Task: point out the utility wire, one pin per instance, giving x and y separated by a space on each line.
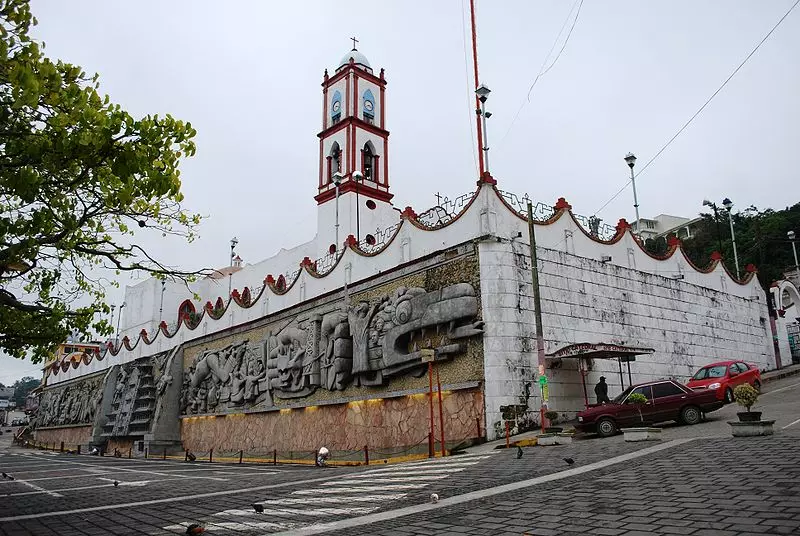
701 108
471 114
542 70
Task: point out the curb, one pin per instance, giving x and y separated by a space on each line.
780 375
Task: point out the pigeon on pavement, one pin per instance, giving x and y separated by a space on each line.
434 498
259 508
194 528
519 452
569 461
116 483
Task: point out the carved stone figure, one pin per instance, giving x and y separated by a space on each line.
75 403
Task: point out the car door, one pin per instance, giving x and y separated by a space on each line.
735 377
629 414
668 399
747 374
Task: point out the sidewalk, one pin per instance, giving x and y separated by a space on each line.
784 372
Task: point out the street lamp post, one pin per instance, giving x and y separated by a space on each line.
707 203
792 236
161 307
357 176
630 159
728 204
483 93
337 180
234 242
119 318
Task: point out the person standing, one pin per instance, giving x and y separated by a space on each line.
601 391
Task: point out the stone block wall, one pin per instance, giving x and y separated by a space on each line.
386 426
584 300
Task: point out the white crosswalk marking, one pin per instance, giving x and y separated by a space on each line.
354 494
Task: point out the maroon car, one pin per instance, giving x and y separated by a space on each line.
667 400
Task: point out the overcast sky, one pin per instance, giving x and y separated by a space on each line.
247 76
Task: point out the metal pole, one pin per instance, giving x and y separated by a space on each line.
796 264
635 202
630 381
537 302
161 307
337 217
230 276
430 398
358 212
475 70
733 239
485 138
621 377
441 414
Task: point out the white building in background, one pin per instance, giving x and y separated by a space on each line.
665 225
601 291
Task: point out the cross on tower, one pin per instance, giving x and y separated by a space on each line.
354 42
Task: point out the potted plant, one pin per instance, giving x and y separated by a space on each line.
553 417
643 433
746 395
750 423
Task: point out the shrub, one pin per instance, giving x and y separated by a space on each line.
552 416
745 395
639 400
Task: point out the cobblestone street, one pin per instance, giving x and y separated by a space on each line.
697 481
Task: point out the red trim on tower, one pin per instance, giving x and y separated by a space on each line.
355 95
374 129
320 163
361 72
350 186
324 107
386 162
347 97
330 170
383 105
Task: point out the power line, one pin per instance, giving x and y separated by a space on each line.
542 70
702 107
469 93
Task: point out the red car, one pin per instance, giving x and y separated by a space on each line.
667 400
723 377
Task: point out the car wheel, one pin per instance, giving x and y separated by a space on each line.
757 386
691 415
606 427
728 395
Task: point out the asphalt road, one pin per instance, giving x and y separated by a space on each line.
692 475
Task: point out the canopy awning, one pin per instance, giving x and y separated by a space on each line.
598 351
588 350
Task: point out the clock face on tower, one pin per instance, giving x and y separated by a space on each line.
336 106
368 106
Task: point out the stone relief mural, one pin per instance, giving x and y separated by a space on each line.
368 343
73 404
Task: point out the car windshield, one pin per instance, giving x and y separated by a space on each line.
710 372
620 397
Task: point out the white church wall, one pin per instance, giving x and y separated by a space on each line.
585 300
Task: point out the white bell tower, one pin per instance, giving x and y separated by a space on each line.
353 151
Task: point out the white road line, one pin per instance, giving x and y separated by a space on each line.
37 488
420 471
357 489
166 500
335 500
422 467
312 512
154 473
476 495
236 527
790 424
781 389
421 478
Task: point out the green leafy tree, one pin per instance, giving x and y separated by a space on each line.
760 240
22 389
80 181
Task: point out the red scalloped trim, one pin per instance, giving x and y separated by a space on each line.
407 213
751 269
562 204
716 256
673 241
487 178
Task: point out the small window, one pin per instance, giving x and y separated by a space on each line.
336 118
662 390
371 240
332 249
371 204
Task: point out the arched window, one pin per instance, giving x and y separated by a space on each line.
368 105
336 107
368 161
334 160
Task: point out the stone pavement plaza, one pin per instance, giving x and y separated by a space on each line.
697 481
